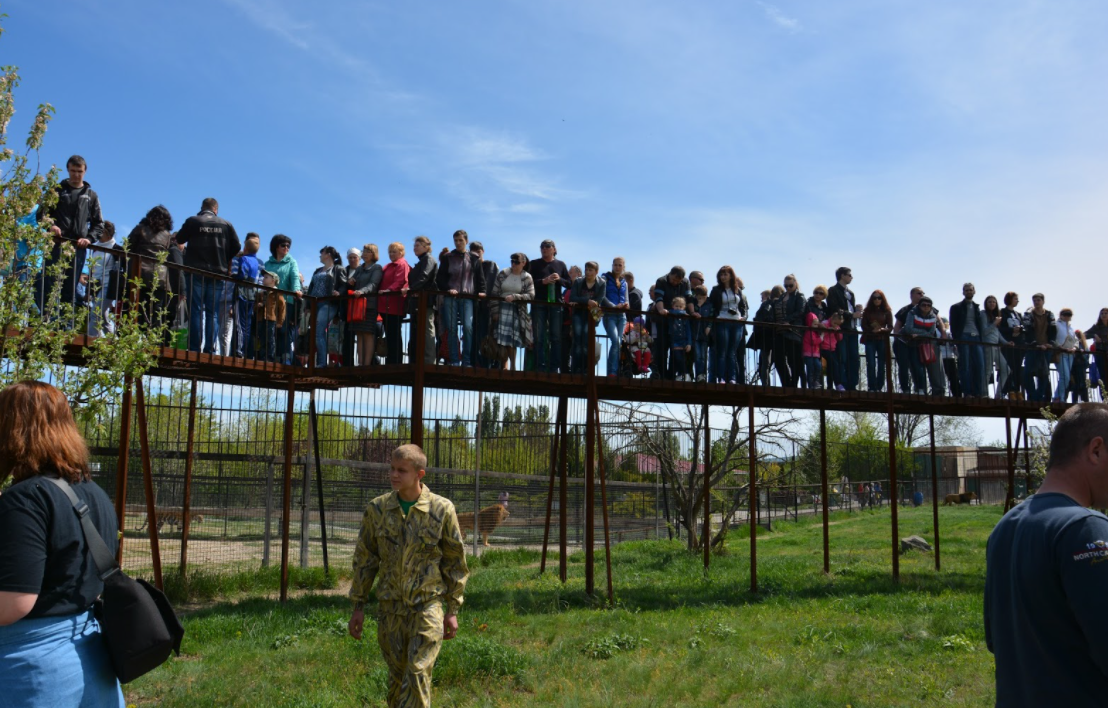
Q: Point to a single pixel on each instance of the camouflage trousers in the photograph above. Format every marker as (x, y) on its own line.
(410, 643)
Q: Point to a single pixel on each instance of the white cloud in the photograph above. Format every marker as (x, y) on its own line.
(779, 18)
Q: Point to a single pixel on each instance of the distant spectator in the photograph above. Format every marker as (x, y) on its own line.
(634, 296)
(841, 298)
(672, 285)
(1065, 339)
(212, 243)
(460, 273)
(364, 282)
(1099, 333)
(327, 282)
(588, 294)
(103, 268)
(811, 345)
(1079, 374)
(511, 324)
(727, 335)
(617, 292)
(680, 339)
(763, 335)
(1011, 329)
(908, 365)
(831, 349)
(877, 323)
(422, 278)
(788, 313)
(246, 268)
(149, 240)
(550, 277)
(284, 267)
(272, 312)
(923, 329)
(481, 315)
(966, 325)
(948, 352)
(394, 283)
(77, 219)
(701, 331)
(995, 362)
(1040, 330)
(353, 260)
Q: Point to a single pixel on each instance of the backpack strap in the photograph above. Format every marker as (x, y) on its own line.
(105, 561)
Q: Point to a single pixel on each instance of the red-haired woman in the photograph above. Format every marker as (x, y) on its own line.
(51, 652)
(877, 323)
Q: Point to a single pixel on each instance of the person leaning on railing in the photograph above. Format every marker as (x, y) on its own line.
(994, 341)
(762, 335)
(391, 303)
(788, 313)
(511, 324)
(877, 323)
(727, 334)
(422, 278)
(1040, 328)
(211, 244)
(364, 282)
(284, 268)
(148, 241)
(1011, 329)
(617, 293)
(588, 294)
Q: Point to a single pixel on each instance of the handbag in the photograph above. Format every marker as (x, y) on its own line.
(137, 622)
(355, 308)
(927, 353)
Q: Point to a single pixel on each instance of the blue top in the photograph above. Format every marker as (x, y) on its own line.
(1045, 583)
(616, 295)
(679, 329)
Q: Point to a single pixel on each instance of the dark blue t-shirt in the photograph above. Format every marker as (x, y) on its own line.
(1046, 577)
(42, 547)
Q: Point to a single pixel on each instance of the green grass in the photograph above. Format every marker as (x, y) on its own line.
(677, 636)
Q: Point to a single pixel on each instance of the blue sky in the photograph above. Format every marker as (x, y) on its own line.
(920, 143)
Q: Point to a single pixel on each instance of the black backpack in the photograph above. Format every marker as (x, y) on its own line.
(137, 622)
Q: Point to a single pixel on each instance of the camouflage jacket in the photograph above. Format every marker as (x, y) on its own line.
(421, 558)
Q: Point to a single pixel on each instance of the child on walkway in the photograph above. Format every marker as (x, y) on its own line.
(272, 306)
(836, 367)
(411, 537)
(680, 340)
(810, 345)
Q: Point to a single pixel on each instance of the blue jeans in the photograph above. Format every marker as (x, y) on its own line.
(204, 296)
(849, 359)
(324, 313)
(700, 358)
(875, 365)
(613, 328)
(244, 334)
(580, 360)
(547, 323)
(902, 352)
(726, 336)
(1065, 366)
(814, 370)
(1036, 364)
(971, 365)
(836, 366)
(269, 341)
(451, 308)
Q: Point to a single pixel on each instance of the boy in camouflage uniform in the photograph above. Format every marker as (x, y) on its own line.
(411, 537)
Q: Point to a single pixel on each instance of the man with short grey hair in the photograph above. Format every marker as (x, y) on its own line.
(1047, 574)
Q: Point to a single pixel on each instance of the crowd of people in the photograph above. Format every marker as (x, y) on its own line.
(480, 315)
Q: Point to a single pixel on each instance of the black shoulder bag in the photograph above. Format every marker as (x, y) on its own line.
(136, 620)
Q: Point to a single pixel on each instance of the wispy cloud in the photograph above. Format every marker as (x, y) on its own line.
(779, 18)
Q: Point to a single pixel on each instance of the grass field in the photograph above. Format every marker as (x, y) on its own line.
(677, 636)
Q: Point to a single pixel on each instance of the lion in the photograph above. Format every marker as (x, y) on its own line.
(173, 518)
(487, 520)
(951, 500)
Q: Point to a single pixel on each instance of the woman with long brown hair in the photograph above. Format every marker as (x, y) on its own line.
(728, 333)
(51, 652)
(877, 323)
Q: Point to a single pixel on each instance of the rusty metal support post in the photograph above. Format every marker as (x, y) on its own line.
(1010, 494)
(590, 463)
(894, 491)
(121, 467)
(935, 493)
(419, 367)
(604, 506)
(753, 503)
(319, 484)
(824, 490)
(707, 489)
(563, 495)
(286, 504)
(186, 503)
(148, 483)
(553, 473)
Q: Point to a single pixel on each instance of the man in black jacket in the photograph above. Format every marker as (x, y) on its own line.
(674, 284)
(966, 324)
(551, 276)
(211, 243)
(840, 298)
(76, 219)
(482, 314)
(460, 274)
(422, 278)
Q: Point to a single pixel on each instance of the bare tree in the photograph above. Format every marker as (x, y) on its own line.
(648, 430)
